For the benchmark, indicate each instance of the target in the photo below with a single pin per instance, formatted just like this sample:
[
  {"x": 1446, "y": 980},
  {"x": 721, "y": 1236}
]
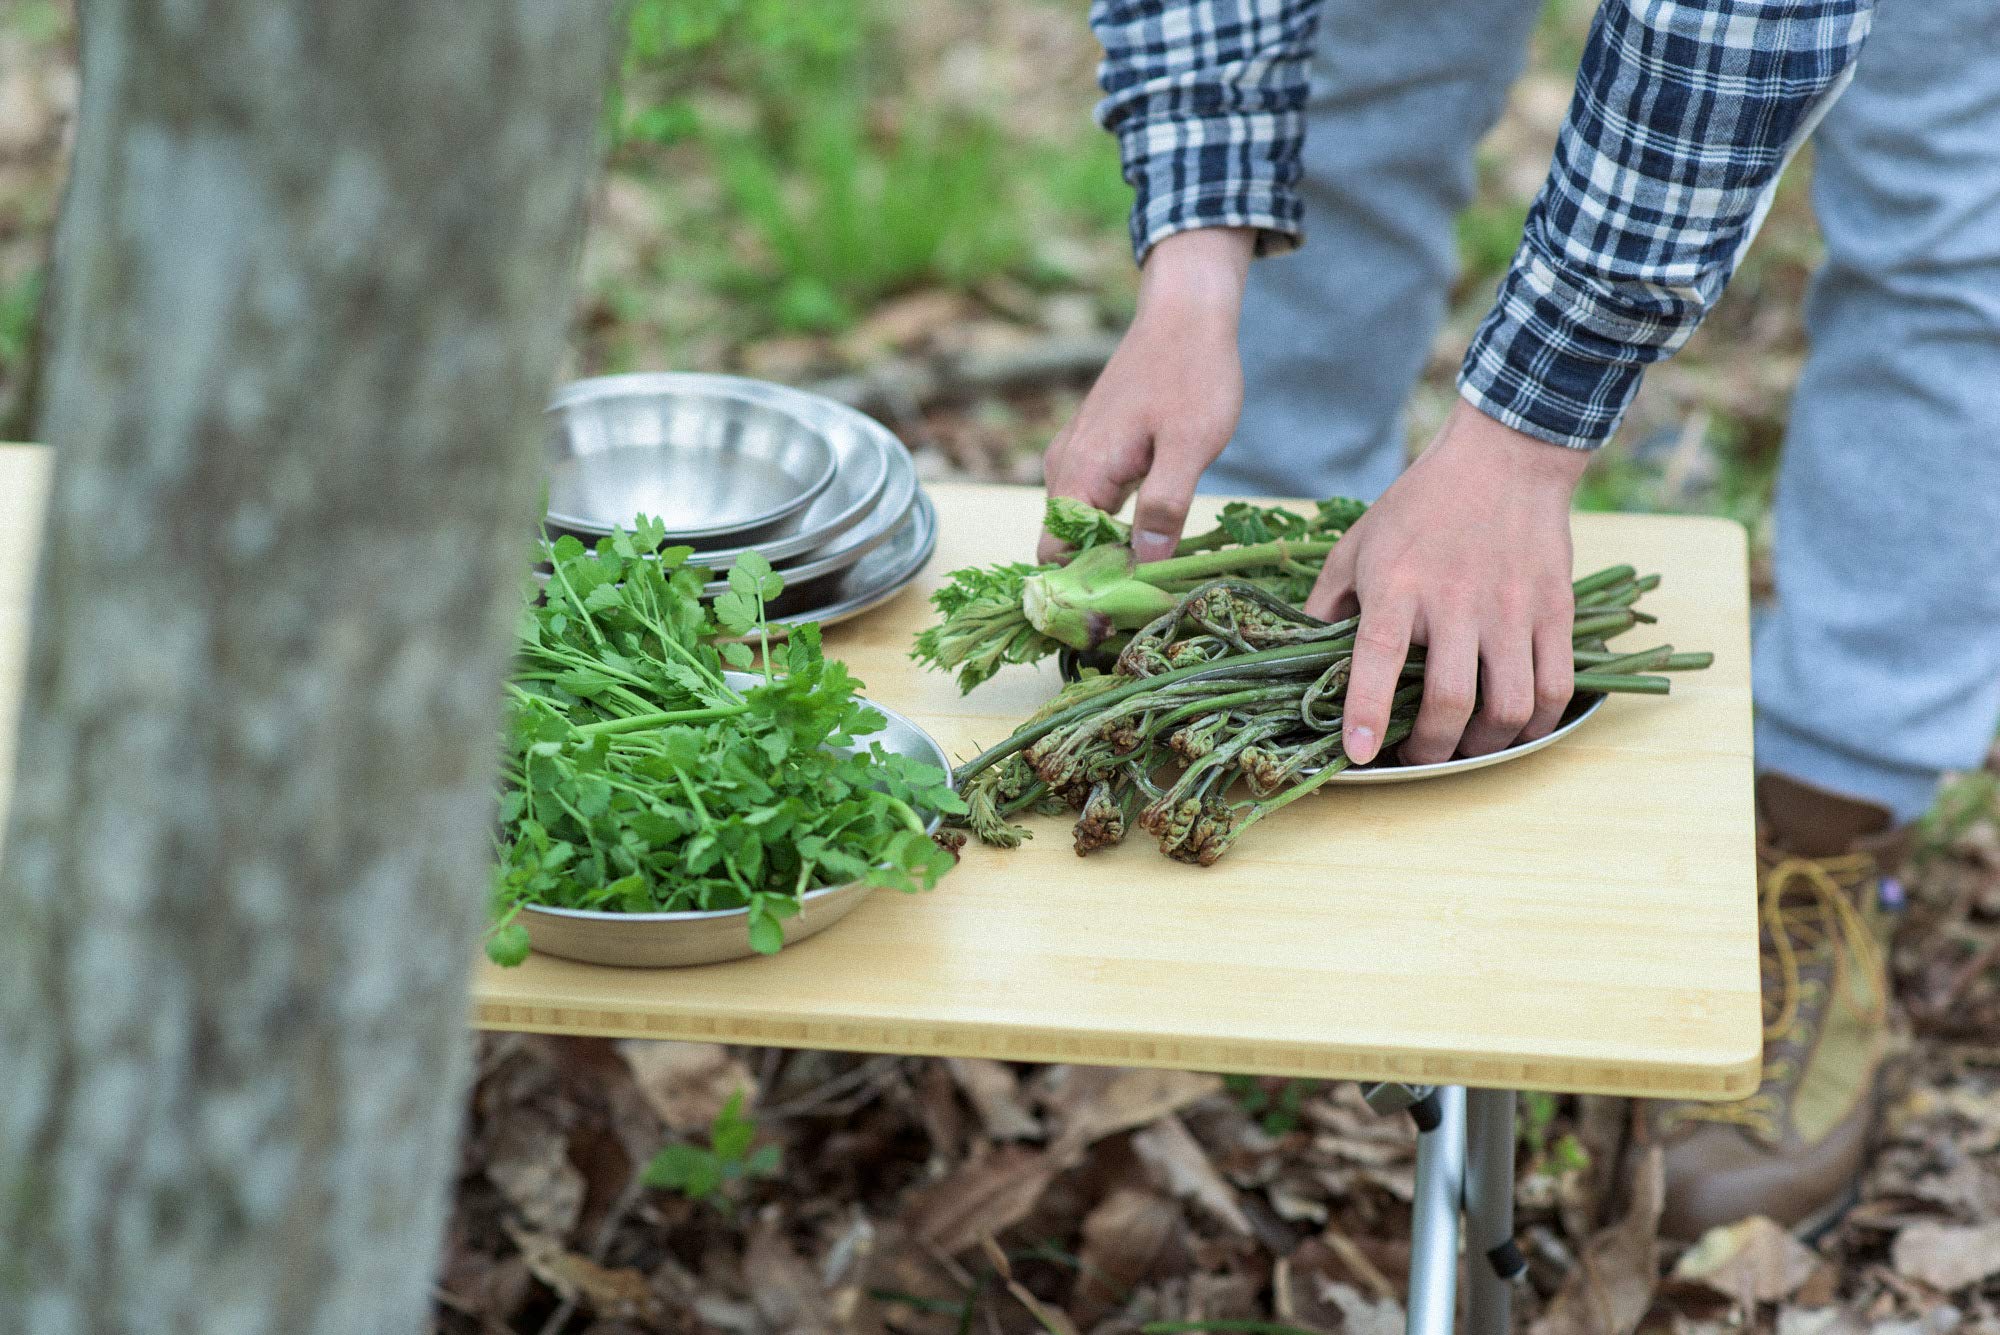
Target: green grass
[
  {"x": 1489, "y": 233},
  {"x": 37, "y": 22},
  {"x": 837, "y": 185},
  {"x": 19, "y": 302},
  {"x": 846, "y": 218}
]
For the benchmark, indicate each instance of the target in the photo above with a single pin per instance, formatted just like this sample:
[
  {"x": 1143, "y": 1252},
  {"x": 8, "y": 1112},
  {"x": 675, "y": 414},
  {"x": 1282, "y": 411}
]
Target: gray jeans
[{"x": 1880, "y": 667}]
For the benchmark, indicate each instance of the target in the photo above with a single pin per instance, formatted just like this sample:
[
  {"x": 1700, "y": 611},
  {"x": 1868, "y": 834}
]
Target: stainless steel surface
[
  {"x": 666, "y": 940},
  {"x": 1489, "y": 1209},
  {"x": 648, "y": 941},
  {"x": 1580, "y": 709},
  {"x": 712, "y": 457},
  {"x": 865, "y": 455},
  {"x": 891, "y": 512},
  {"x": 876, "y": 577},
  {"x": 1434, "y": 1224}
]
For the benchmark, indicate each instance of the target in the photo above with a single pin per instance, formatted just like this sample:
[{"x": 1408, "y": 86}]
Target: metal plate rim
[
  {"x": 924, "y": 517},
  {"x": 1466, "y": 764}
]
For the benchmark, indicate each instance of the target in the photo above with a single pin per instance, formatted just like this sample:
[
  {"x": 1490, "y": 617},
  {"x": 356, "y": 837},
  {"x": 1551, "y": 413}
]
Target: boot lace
[{"x": 1808, "y": 910}]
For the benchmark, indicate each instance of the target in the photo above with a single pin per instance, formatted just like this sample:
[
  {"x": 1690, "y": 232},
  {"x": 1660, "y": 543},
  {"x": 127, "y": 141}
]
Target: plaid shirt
[{"x": 1685, "y": 112}]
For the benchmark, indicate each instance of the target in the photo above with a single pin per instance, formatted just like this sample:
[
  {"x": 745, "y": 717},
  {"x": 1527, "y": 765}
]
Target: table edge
[{"x": 1731, "y": 1077}]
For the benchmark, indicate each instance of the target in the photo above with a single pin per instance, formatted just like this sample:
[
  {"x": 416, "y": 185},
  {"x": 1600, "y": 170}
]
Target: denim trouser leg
[
  {"x": 1880, "y": 667},
  {"x": 1335, "y": 335}
]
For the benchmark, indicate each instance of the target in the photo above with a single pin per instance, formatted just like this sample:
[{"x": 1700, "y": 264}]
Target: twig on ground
[{"x": 814, "y": 1099}]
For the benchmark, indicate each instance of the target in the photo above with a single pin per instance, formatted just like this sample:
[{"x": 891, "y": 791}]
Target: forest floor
[
  {"x": 908, "y": 206},
  {"x": 827, "y": 1192}
]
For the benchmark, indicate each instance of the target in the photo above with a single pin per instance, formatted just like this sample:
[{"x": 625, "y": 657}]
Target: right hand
[
  {"x": 1167, "y": 402},
  {"x": 1468, "y": 554}
]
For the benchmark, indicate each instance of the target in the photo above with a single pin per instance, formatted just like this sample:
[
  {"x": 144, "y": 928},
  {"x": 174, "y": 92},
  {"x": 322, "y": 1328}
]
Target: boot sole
[{"x": 1821, "y": 1221}]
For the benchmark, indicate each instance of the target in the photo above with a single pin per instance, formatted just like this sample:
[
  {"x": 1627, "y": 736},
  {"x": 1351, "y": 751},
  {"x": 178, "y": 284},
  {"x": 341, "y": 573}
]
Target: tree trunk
[{"x": 310, "y": 288}]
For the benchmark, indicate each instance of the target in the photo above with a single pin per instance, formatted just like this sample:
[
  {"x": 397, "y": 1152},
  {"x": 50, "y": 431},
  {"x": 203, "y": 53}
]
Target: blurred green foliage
[
  {"x": 19, "y": 301},
  {"x": 850, "y": 189}
]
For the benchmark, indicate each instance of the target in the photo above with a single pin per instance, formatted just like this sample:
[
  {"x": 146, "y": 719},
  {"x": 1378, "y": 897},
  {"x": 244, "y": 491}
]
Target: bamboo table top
[{"x": 1581, "y": 919}]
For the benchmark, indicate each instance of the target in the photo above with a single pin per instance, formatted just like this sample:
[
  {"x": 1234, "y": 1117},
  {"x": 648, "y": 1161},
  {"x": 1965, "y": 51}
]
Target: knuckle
[
  {"x": 1398, "y": 588},
  {"x": 1513, "y": 604},
  {"x": 1511, "y": 711},
  {"x": 1450, "y": 697},
  {"x": 1379, "y": 638},
  {"x": 1553, "y": 692}
]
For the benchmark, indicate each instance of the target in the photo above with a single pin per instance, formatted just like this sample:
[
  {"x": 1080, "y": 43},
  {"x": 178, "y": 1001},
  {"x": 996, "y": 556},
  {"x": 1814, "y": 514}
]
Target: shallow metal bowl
[
  {"x": 712, "y": 457},
  {"x": 667, "y": 940}
]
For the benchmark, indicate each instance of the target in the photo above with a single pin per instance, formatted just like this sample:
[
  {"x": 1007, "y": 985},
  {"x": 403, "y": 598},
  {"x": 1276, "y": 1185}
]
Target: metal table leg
[
  {"x": 1494, "y": 1261},
  {"x": 1434, "y": 1225}
]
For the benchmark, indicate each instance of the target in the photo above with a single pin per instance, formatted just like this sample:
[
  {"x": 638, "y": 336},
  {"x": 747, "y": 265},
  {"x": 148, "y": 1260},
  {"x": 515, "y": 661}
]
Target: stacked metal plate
[{"x": 825, "y": 493}]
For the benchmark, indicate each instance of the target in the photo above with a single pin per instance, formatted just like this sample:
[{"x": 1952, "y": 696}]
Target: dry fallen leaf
[
  {"x": 1947, "y": 1256},
  {"x": 687, "y": 1083},
  {"x": 1092, "y": 1102},
  {"x": 1613, "y": 1284},
  {"x": 606, "y": 1291},
  {"x": 995, "y": 1094},
  {"x": 1753, "y": 1261},
  {"x": 528, "y": 1160},
  {"x": 1819, "y": 1321},
  {"x": 1362, "y": 1315},
  {"x": 1048, "y": 1318},
  {"x": 1978, "y": 1108},
  {"x": 1122, "y": 1238},
  {"x": 979, "y": 1198},
  {"x": 1180, "y": 1166},
  {"x": 782, "y": 1285}
]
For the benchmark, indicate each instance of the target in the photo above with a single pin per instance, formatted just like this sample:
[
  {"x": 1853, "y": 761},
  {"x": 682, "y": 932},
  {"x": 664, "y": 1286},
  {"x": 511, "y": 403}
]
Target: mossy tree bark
[{"x": 310, "y": 288}]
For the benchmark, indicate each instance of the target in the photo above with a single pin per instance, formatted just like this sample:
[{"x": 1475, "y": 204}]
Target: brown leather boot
[{"x": 1794, "y": 1150}]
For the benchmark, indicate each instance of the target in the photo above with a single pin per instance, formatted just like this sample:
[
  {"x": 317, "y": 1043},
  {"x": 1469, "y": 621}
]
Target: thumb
[{"x": 1164, "y": 498}]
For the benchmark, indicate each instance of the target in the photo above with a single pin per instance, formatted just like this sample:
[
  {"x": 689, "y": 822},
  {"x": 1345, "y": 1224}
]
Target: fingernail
[
  {"x": 1148, "y": 546},
  {"x": 1361, "y": 745}
]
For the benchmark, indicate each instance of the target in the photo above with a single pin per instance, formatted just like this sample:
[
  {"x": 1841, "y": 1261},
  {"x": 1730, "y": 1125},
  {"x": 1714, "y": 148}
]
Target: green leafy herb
[
  {"x": 638, "y": 778},
  {"x": 1082, "y": 526}
]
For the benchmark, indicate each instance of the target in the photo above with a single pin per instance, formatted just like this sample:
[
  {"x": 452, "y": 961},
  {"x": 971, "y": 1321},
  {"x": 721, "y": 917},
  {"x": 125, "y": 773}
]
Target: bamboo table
[{"x": 1581, "y": 920}]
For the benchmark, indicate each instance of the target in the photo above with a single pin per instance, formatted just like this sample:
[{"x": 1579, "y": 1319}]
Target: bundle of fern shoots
[
  {"x": 1233, "y": 690},
  {"x": 1016, "y": 613}
]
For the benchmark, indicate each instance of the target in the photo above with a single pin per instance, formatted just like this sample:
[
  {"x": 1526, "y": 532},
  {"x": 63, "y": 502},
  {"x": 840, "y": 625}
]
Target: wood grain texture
[{"x": 1583, "y": 919}]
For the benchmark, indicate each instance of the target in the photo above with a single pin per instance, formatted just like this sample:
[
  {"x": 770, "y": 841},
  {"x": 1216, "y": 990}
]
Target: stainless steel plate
[
  {"x": 1581, "y": 708},
  {"x": 712, "y": 457},
  {"x": 892, "y": 511},
  {"x": 875, "y": 578},
  {"x": 865, "y": 455},
  {"x": 666, "y": 940}
]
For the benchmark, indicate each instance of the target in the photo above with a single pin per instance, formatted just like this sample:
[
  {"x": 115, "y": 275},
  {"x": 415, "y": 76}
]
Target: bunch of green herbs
[{"x": 639, "y": 777}]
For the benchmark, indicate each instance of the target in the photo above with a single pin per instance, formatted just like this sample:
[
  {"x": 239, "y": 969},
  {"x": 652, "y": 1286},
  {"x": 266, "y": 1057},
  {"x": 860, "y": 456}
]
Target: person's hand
[
  {"x": 1468, "y": 554},
  {"x": 1167, "y": 402}
]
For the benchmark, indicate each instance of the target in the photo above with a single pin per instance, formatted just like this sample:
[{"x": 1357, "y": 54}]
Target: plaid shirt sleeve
[
  {"x": 1685, "y": 113},
  {"x": 1207, "y": 99}
]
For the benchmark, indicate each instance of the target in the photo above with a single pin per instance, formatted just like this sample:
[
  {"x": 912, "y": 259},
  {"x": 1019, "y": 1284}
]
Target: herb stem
[{"x": 639, "y": 722}]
